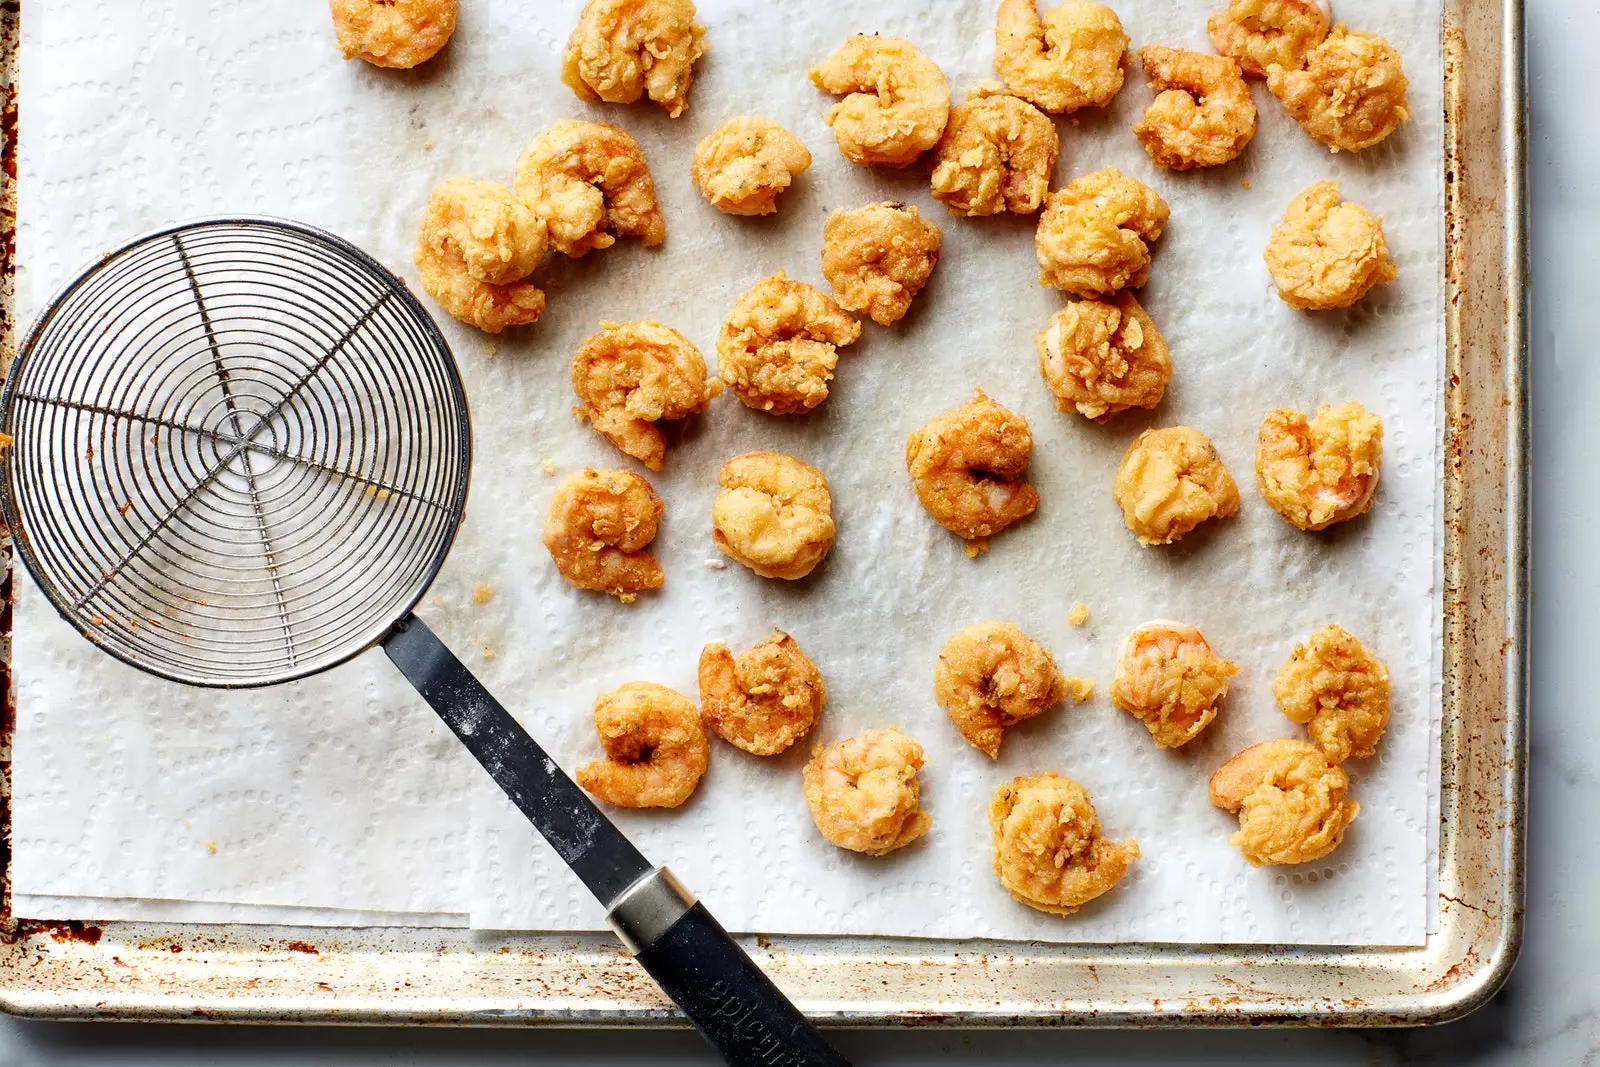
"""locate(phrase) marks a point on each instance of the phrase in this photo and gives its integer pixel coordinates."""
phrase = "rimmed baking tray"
(282, 974)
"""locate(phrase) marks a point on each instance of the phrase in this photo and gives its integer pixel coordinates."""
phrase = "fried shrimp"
(475, 245)
(1168, 677)
(896, 100)
(393, 33)
(992, 675)
(878, 257)
(656, 749)
(863, 792)
(1069, 59)
(774, 514)
(1293, 805)
(1093, 236)
(1203, 115)
(741, 166)
(997, 154)
(1350, 94)
(1327, 253)
(597, 528)
(779, 345)
(967, 465)
(624, 49)
(1049, 852)
(1170, 481)
(1102, 357)
(589, 181)
(632, 375)
(1262, 34)
(1320, 471)
(1338, 690)
(763, 701)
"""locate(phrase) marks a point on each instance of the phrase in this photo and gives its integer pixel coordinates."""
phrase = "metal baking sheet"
(285, 974)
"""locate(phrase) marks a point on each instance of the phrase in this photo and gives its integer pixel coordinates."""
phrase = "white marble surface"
(1550, 1012)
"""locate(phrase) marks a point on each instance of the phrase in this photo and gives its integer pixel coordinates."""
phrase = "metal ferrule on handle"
(647, 909)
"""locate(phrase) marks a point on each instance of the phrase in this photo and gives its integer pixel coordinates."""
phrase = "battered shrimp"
(1203, 115)
(878, 257)
(656, 749)
(1071, 58)
(1049, 852)
(1170, 481)
(1092, 238)
(393, 33)
(590, 182)
(779, 345)
(1102, 357)
(774, 514)
(997, 154)
(1350, 94)
(1323, 471)
(475, 244)
(863, 792)
(992, 675)
(742, 165)
(624, 49)
(1327, 253)
(597, 528)
(897, 99)
(1338, 690)
(1293, 805)
(1168, 676)
(764, 701)
(630, 376)
(1262, 34)
(967, 466)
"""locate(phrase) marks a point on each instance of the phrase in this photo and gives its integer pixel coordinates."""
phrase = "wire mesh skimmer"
(240, 454)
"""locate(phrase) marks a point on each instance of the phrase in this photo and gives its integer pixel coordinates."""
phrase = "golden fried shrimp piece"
(630, 376)
(624, 49)
(1350, 94)
(1048, 850)
(1338, 690)
(1322, 471)
(1170, 481)
(1102, 357)
(1262, 34)
(967, 465)
(742, 165)
(863, 792)
(1203, 115)
(393, 33)
(997, 154)
(764, 701)
(1327, 253)
(878, 257)
(1092, 238)
(1293, 805)
(589, 181)
(597, 528)
(656, 749)
(475, 244)
(779, 345)
(774, 514)
(1168, 676)
(992, 675)
(896, 99)
(1069, 59)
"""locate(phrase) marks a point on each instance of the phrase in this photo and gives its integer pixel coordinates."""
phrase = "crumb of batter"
(741, 166)
(1169, 678)
(1049, 852)
(598, 528)
(997, 154)
(878, 257)
(1079, 614)
(990, 676)
(589, 181)
(1350, 94)
(656, 749)
(1170, 481)
(482, 593)
(863, 792)
(774, 514)
(896, 100)
(1203, 115)
(1093, 235)
(631, 376)
(779, 345)
(622, 50)
(1338, 690)
(1327, 252)
(1320, 471)
(393, 33)
(1079, 689)
(476, 244)
(967, 467)
(1262, 34)
(1293, 805)
(1070, 58)
(764, 700)
(548, 468)
(1102, 357)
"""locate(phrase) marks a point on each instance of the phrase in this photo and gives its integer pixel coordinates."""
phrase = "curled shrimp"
(896, 100)
(1349, 94)
(1203, 115)
(656, 749)
(1262, 34)
(863, 793)
(1049, 852)
(621, 50)
(589, 181)
(1102, 357)
(1338, 690)
(1169, 678)
(597, 528)
(997, 154)
(967, 466)
(1320, 471)
(393, 33)
(878, 257)
(1293, 805)
(1327, 252)
(774, 514)
(742, 165)
(1071, 58)
(632, 375)
(766, 699)
(990, 676)
(1093, 236)
(1170, 481)
(475, 245)
(780, 343)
